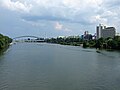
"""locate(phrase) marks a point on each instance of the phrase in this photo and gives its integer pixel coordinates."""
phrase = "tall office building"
(105, 32)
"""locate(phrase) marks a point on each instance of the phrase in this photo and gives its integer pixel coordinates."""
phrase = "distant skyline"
(51, 18)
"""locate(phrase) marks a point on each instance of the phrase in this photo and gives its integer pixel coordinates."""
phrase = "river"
(42, 66)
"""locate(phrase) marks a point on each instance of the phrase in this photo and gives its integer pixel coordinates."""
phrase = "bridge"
(26, 36)
(36, 39)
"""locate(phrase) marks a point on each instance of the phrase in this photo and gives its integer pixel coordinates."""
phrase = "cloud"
(112, 3)
(60, 27)
(34, 24)
(85, 13)
(44, 17)
(71, 11)
(67, 30)
(98, 19)
(16, 6)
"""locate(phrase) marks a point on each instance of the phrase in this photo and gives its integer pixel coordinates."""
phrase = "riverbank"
(4, 42)
(101, 43)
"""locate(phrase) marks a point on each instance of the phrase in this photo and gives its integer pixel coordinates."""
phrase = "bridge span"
(36, 39)
(26, 37)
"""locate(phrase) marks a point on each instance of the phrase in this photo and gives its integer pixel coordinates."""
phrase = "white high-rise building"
(105, 32)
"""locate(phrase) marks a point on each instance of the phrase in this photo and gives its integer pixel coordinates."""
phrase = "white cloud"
(16, 5)
(83, 12)
(58, 26)
(98, 19)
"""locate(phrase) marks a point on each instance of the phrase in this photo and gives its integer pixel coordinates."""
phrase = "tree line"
(65, 41)
(4, 41)
(101, 43)
(108, 43)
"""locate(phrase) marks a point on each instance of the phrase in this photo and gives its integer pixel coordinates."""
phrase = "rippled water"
(41, 66)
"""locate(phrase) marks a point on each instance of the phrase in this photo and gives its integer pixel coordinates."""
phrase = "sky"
(52, 18)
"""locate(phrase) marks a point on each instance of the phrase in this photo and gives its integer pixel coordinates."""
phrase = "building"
(105, 32)
(86, 36)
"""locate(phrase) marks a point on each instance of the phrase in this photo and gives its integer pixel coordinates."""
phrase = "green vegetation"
(4, 41)
(109, 43)
(101, 43)
(66, 41)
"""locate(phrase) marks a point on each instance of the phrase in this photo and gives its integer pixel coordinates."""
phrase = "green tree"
(4, 41)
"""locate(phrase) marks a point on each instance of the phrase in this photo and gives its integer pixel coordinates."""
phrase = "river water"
(41, 66)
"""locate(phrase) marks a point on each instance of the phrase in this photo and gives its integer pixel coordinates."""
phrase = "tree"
(4, 41)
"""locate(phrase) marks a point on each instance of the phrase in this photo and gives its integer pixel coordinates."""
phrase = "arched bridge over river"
(28, 39)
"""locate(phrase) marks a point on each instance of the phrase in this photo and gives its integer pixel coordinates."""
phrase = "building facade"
(105, 32)
(86, 36)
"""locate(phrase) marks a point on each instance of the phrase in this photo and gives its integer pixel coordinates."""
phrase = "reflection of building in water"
(105, 32)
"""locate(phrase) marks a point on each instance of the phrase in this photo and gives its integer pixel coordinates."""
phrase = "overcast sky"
(51, 18)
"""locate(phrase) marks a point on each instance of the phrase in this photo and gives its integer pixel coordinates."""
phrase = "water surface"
(41, 66)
